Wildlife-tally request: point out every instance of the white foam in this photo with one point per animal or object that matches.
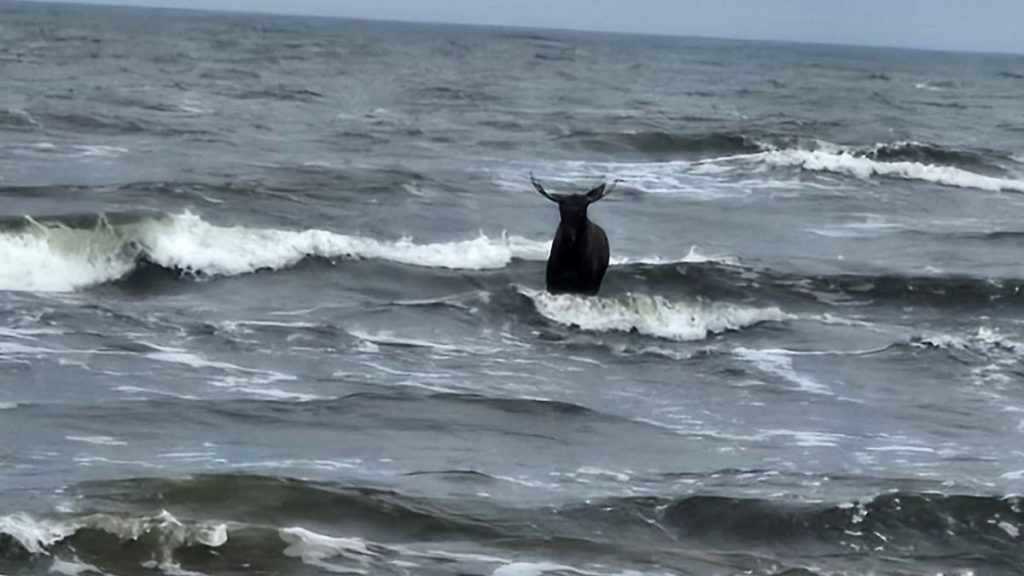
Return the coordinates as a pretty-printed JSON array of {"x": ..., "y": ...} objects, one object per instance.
[
  {"x": 8, "y": 405},
  {"x": 697, "y": 180},
  {"x": 180, "y": 356},
  {"x": 985, "y": 340},
  {"x": 316, "y": 549},
  {"x": 23, "y": 114},
  {"x": 843, "y": 162},
  {"x": 542, "y": 568},
  {"x": 54, "y": 258},
  {"x": 898, "y": 448},
  {"x": 97, "y": 440},
  {"x": 531, "y": 569},
  {"x": 35, "y": 536},
  {"x": 100, "y": 150},
  {"x": 650, "y": 315},
  {"x": 692, "y": 257},
  {"x": 73, "y": 567},
  {"x": 810, "y": 438},
  {"x": 192, "y": 106},
  {"x": 602, "y": 474},
  {"x": 257, "y": 387},
  {"x": 779, "y": 363},
  {"x": 1012, "y": 530},
  {"x": 389, "y": 339},
  {"x": 18, "y": 349},
  {"x": 189, "y": 243},
  {"x": 60, "y": 260}
]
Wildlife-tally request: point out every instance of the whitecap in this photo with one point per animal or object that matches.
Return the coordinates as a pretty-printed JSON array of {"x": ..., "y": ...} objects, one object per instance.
[
  {"x": 189, "y": 243},
  {"x": 985, "y": 340},
  {"x": 844, "y": 162},
  {"x": 100, "y": 150},
  {"x": 53, "y": 259},
  {"x": 23, "y": 116},
  {"x": 97, "y": 440},
  {"x": 699, "y": 180},
  {"x": 389, "y": 339},
  {"x": 35, "y": 536},
  {"x": 694, "y": 256},
  {"x": 316, "y": 549},
  {"x": 1012, "y": 530},
  {"x": 257, "y": 387},
  {"x": 650, "y": 315},
  {"x": 808, "y": 438},
  {"x": 899, "y": 448}
]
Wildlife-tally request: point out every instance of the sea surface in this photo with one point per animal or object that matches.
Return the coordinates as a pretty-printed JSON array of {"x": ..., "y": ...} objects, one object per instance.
[{"x": 272, "y": 302}]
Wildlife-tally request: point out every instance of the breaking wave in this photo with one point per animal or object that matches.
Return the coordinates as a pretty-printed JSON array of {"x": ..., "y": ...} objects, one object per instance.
[
  {"x": 650, "y": 315},
  {"x": 64, "y": 254},
  {"x": 214, "y": 526},
  {"x": 698, "y": 171},
  {"x": 851, "y": 164}
]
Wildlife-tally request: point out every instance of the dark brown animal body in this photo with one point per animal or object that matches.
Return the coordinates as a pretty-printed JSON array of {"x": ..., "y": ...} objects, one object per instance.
[{"x": 579, "y": 253}]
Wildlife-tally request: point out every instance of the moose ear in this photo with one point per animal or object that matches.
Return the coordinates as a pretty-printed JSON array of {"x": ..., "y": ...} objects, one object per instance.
[
  {"x": 601, "y": 191},
  {"x": 596, "y": 194}
]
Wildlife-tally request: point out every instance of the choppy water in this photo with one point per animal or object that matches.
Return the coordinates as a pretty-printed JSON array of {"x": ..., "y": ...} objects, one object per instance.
[{"x": 272, "y": 302}]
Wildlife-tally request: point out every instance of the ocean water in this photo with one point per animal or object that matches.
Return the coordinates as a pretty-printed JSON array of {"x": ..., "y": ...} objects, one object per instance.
[{"x": 272, "y": 302}]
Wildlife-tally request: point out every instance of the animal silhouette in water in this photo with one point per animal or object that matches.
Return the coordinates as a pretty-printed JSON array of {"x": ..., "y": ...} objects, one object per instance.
[{"x": 579, "y": 252}]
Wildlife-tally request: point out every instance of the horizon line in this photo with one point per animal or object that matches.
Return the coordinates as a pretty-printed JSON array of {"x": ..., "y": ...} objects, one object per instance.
[{"x": 264, "y": 12}]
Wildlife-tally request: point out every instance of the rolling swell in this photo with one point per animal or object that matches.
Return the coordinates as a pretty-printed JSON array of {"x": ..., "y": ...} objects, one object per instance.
[
  {"x": 933, "y": 154},
  {"x": 676, "y": 299},
  {"x": 665, "y": 143},
  {"x": 720, "y": 280},
  {"x": 899, "y": 162},
  {"x": 61, "y": 254},
  {"x": 945, "y": 290},
  {"x": 213, "y": 523}
]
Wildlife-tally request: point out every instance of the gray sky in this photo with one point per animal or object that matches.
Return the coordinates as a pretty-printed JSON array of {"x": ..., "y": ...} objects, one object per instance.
[{"x": 986, "y": 25}]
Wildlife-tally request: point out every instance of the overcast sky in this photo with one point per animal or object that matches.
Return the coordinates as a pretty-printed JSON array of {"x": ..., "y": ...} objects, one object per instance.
[{"x": 985, "y": 25}]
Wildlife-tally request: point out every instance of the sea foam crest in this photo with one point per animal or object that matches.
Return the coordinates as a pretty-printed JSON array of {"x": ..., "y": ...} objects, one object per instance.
[
  {"x": 349, "y": 555},
  {"x": 35, "y": 536},
  {"x": 650, "y": 315},
  {"x": 38, "y": 536},
  {"x": 189, "y": 243},
  {"x": 53, "y": 257},
  {"x": 844, "y": 162},
  {"x": 56, "y": 258},
  {"x": 45, "y": 259},
  {"x": 986, "y": 341}
]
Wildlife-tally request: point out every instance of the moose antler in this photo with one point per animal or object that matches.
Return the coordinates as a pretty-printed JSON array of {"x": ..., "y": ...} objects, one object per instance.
[{"x": 543, "y": 192}]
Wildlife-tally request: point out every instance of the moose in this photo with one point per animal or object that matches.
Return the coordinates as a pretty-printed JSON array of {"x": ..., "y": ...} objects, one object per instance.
[{"x": 579, "y": 252}]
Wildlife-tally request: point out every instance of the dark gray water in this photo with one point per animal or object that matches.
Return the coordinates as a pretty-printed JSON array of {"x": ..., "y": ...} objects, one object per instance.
[{"x": 272, "y": 302}]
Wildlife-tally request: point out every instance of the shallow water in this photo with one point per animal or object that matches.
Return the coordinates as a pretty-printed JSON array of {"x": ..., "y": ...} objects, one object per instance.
[{"x": 272, "y": 301}]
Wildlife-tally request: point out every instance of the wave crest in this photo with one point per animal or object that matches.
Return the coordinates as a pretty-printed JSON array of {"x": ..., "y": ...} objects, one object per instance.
[
  {"x": 191, "y": 244},
  {"x": 69, "y": 253},
  {"x": 650, "y": 315},
  {"x": 862, "y": 166}
]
